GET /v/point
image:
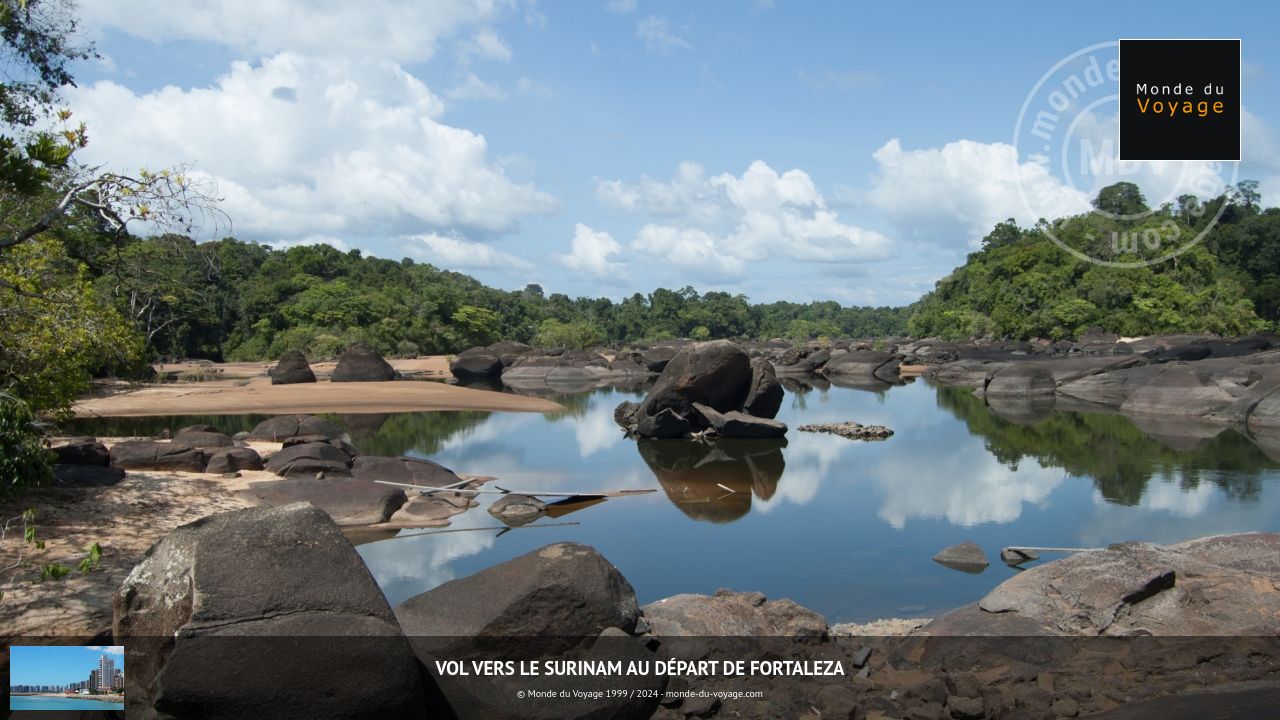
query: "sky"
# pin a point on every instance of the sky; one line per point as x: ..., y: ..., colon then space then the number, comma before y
x: 784, y: 150
x: 57, y: 664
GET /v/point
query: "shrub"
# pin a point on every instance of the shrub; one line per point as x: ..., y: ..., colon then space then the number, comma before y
x: 23, y: 459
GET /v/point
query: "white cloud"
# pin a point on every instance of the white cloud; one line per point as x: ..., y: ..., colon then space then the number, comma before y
x: 719, y: 224
x: 485, y: 44
x: 384, y: 29
x: 960, y: 191
x: 108, y: 649
x: 621, y: 6
x: 358, y: 150
x: 656, y: 32
x: 473, y: 88
x: 456, y: 253
x: 592, y: 253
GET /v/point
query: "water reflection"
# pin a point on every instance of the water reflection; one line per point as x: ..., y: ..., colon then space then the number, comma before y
x: 715, y: 482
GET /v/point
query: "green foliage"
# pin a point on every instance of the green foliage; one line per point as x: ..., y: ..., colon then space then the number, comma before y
x: 573, y: 335
x: 54, y: 571
x: 92, y: 557
x: 55, y: 329
x: 1022, y: 286
x: 23, y: 459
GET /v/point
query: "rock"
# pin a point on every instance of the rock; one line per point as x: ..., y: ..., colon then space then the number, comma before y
x: 517, y: 509
x: 82, y: 451
x: 966, y: 708
x: 268, y: 589
x: 1183, y: 391
x: 699, y: 706
x: 65, y: 475
x: 361, y: 363
x: 1224, y: 702
x: 292, y: 368
x: 717, y: 374
x: 1096, y: 335
x: 564, y: 593
x: 665, y: 425
x: 730, y: 614
x: 1065, y: 707
x: 737, y: 425
x: 656, y: 358
x: 1110, y: 388
x: 1018, y: 556
x: 764, y: 398
x: 478, y: 362
x: 339, y: 443
x: 508, y: 351
x: 625, y: 415
x: 851, y: 430
x: 346, y: 500
x: 232, y: 460
x: 309, y: 458
x: 411, y: 471
x: 152, y: 455
x: 1217, y: 586
x: 283, y: 427
x: 864, y: 362
x: 201, y: 438
x: 694, y: 475
x: 1021, y: 379
x: 1184, y: 353
x: 966, y: 557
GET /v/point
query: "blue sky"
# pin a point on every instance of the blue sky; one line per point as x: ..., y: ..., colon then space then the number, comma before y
x: 57, y: 664
x: 608, y: 147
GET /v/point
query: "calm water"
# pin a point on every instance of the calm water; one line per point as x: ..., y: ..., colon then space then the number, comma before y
x: 844, y: 527
x: 25, y: 702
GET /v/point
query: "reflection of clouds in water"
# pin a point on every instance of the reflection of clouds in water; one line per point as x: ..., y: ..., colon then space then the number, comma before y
x: 404, y: 568
x: 905, y: 408
x: 494, y: 427
x: 810, y: 458
x: 1170, y: 496
x: 1161, y: 517
x: 967, y: 487
x: 596, y: 430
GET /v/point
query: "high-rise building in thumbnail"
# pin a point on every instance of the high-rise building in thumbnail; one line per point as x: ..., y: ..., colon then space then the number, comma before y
x: 117, y: 683
x: 93, y: 679
x: 106, y: 673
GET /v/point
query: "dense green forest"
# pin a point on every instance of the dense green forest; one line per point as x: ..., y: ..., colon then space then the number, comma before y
x: 1020, y: 285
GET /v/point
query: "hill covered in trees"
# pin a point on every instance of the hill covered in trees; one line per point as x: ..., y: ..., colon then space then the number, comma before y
x: 1021, y: 285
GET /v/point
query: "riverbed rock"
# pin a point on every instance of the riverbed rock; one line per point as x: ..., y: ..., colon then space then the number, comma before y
x: 667, y: 424
x: 291, y: 369
x: 517, y: 509
x: 346, y: 500
x: 1181, y: 390
x: 229, y: 460
x: 565, y: 593
x: 965, y: 557
x: 153, y: 455
x: 82, y: 451
x: 732, y: 614
x: 202, y: 436
x: 625, y: 415
x: 656, y: 358
x: 1111, y: 388
x: 309, y: 458
x: 361, y: 363
x: 283, y: 427
x: 716, y: 374
x: 478, y: 362
x: 850, y: 430
x: 1021, y: 380
x: 1215, y: 586
x: 738, y: 425
x: 83, y: 476
x: 875, y: 363
x: 411, y: 471
x: 269, y: 589
x: 764, y: 398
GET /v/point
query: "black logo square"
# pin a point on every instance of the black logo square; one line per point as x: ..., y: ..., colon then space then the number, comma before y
x: 1179, y: 99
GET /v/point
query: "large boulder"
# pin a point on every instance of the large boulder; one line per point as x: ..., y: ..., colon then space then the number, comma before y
x: 1265, y: 414
x: 235, y: 459
x: 361, y: 363
x: 476, y: 363
x: 1181, y: 390
x: 716, y: 374
x: 346, y: 500
x: 283, y: 427
x: 864, y: 362
x: 564, y: 593
x: 82, y: 451
x: 261, y: 613
x: 307, y: 459
x: 1021, y: 380
x: 656, y: 358
x: 1216, y: 586
x: 1110, y: 388
x: 292, y: 368
x: 965, y: 557
x: 410, y: 471
x: 153, y: 455
x: 737, y: 425
x: 508, y: 351
x: 732, y: 614
x: 764, y: 398
x: 202, y: 436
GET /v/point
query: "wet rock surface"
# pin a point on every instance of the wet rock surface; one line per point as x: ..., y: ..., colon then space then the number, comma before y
x: 850, y: 430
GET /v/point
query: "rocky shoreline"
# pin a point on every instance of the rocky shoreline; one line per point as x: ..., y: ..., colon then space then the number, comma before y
x: 1193, y: 616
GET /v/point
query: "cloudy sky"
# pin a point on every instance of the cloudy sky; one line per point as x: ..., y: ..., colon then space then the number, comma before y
x: 793, y: 151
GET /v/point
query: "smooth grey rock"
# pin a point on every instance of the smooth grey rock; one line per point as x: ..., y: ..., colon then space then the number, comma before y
x: 517, y: 509
x: 283, y: 427
x: 730, y: 614
x: 346, y: 500
x: 201, y: 438
x: 82, y: 451
x: 1021, y: 379
x: 361, y: 363
x: 966, y: 557
x: 764, y: 398
x: 152, y: 455
x: 255, y: 600
x: 308, y: 458
x: 478, y: 362
x: 291, y: 369
x: 230, y: 460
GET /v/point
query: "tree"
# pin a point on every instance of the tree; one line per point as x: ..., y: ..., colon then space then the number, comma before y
x: 1122, y: 199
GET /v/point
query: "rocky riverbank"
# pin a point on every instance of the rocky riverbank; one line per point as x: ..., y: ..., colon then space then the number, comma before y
x: 1043, y: 644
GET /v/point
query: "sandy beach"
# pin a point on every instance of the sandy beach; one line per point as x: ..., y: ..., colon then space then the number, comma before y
x: 244, y: 388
